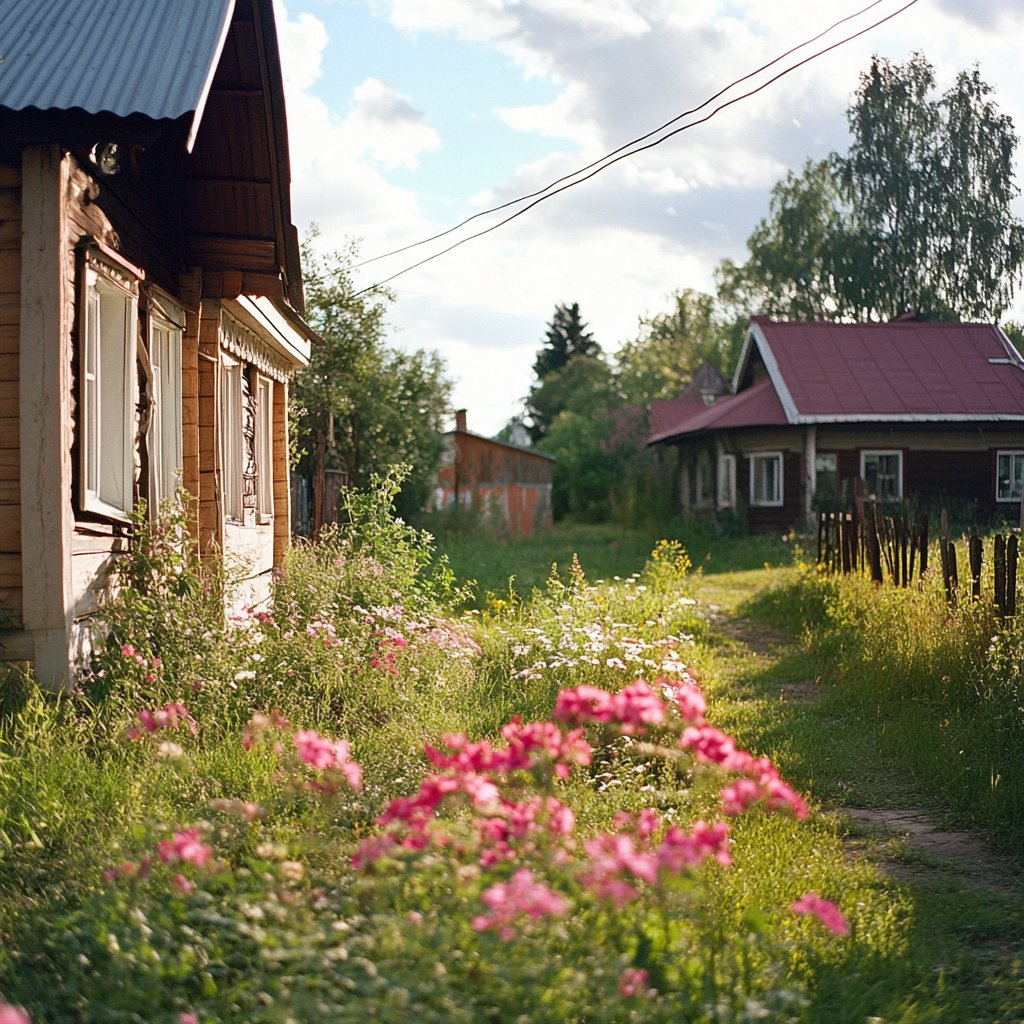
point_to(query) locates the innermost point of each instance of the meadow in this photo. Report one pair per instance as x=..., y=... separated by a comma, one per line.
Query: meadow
x=390, y=795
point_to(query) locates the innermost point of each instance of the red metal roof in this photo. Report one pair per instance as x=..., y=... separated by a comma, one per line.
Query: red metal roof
x=756, y=406
x=904, y=371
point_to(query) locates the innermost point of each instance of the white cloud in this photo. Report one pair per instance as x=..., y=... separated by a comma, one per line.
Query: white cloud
x=384, y=125
x=620, y=243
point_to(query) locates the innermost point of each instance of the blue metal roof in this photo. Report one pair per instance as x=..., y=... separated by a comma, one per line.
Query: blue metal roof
x=149, y=57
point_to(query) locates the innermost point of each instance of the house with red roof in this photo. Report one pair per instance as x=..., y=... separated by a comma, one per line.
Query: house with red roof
x=914, y=411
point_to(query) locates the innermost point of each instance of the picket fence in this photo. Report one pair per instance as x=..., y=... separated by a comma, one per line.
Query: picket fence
x=894, y=549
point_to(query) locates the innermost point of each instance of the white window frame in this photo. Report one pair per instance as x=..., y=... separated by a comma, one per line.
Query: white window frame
x=1015, y=456
x=264, y=448
x=763, y=458
x=108, y=386
x=726, y=490
x=164, y=438
x=231, y=436
x=874, y=453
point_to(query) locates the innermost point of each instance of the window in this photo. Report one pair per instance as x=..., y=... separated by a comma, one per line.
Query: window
x=1009, y=476
x=107, y=386
x=164, y=437
x=882, y=473
x=826, y=481
x=231, y=435
x=264, y=448
x=726, y=481
x=766, y=478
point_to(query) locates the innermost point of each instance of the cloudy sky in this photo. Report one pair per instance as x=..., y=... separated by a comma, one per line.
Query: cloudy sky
x=408, y=116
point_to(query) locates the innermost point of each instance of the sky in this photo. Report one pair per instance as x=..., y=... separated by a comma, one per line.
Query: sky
x=408, y=116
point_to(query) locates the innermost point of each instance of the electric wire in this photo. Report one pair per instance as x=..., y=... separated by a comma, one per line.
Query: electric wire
x=624, y=146
x=605, y=163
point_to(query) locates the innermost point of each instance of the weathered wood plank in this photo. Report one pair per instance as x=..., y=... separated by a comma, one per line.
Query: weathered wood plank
x=10, y=434
x=10, y=529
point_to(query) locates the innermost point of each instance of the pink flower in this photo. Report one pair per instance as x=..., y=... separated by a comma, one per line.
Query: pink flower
x=680, y=850
x=13, y=1015
x=188, y=1018
x=170, y=716
x=583, y=704
x=520, y=896
x=128, y=651
x=320, y=752
x=637, y=706
x=824, y=910
x=689, y=700
x=182, y=883
x=633, y=982
x=184, y=846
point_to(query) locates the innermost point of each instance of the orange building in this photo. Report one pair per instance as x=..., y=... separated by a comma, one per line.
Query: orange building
x=509, y=485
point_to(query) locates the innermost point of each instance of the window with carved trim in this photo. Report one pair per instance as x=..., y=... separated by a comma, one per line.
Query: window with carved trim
x=107, y=383
x=264, y=447
x=231, y=436
x=165, y=327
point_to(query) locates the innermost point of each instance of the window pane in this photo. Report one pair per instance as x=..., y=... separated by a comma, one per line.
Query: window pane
x=1009, y=476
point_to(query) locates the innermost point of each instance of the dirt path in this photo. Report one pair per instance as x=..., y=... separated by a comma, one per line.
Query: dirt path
x=934, y=852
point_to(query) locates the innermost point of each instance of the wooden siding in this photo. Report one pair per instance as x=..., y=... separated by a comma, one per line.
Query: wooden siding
x=10, y=317
x=498, y=480
x=282, y=475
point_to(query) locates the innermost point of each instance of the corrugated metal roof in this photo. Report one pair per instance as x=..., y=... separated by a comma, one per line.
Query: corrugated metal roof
x=900, y=372
x=893, y=371
x=149, y=57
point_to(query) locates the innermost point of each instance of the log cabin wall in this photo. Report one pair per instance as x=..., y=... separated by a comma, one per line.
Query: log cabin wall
x=10, y=319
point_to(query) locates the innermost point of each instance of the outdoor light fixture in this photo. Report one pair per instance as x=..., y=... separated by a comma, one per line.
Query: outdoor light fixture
x=108, y=157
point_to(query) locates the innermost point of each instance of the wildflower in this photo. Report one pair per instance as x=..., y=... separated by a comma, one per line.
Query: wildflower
x=13, y=1015
x=246, y=810
x=824, y=910
x=319, y=752
x=633, y=982
x=520, y=896
x=169, y=750
x=181, y=882
x=184, y=846
x=188, y=1018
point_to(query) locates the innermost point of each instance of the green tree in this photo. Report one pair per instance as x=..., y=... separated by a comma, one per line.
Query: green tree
x=916, y=217
x=570, y=360
x=672, y=346
x=362, y=406
x=566, y=336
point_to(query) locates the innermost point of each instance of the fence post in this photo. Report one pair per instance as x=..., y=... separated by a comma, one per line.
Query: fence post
x=922, y=526
x=999, y=565
x=873, y=547
x=974, y=555
x=1011, y=574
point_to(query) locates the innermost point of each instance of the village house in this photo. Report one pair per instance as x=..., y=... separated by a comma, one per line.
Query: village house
x=150, y=298
x=916, y=412
x=508, y=485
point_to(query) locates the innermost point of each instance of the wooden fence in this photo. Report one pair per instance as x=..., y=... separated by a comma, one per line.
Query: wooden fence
x=894, y=549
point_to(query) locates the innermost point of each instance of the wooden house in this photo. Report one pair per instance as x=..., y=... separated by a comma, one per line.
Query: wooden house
x=508, y=485
x=924, y=412
x=150, y=297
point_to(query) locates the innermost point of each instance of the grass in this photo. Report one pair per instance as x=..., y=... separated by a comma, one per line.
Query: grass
x=280, y=926
x=801, y=700
x=607, y=552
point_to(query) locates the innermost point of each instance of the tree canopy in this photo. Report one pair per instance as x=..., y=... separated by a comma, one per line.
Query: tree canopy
x=363, y=405
x=915, y=218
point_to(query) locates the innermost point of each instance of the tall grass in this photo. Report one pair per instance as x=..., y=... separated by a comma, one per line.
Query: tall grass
x=364, y=642
x=945, y=679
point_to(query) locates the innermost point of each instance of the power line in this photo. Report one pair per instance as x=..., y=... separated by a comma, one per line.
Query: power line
x=624, y=146
x=613, y=158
